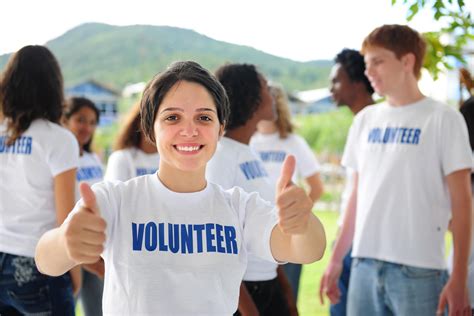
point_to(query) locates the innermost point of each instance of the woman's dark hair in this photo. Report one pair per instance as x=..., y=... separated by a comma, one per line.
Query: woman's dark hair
x=243, y=87
x=74, y=105
x=353, y=63
x=130, y=133
x=159, y=86
x=31, y=87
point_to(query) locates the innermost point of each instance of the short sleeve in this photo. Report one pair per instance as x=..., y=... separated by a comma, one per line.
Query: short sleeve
x=349, y=158
x=64, y=152
x=455, y=148
x=306, y=161
x=118, y=167
x=260, y=219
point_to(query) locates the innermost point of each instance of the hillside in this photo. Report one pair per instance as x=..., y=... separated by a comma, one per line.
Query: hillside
x=117, y=55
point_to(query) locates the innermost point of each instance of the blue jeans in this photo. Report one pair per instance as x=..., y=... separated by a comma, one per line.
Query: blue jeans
x=293, y=272
x=339, y=309
x=91, y=294
x=25, y=291
x=383, y=288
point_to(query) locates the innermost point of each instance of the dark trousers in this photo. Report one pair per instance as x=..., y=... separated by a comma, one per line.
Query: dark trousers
x=268, y=297
x=24, y=290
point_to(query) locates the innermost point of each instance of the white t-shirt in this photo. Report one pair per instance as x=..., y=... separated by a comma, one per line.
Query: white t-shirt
x=402, y=156
x=27, y=171
x=346, y=194
x=273, y=150
x=236, y=165
x=90, y=170
x=169, y=253
x=131, y=162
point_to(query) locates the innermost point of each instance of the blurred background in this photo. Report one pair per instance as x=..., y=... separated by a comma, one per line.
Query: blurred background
x=108, y=50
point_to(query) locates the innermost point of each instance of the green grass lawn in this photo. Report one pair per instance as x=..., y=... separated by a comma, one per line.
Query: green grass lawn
x=308, y=297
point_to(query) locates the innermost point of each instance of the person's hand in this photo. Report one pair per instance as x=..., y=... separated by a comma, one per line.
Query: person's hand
x=455, y=294
x=294, y=205
x=84, y=234
x=96, y=268
x=329, y=283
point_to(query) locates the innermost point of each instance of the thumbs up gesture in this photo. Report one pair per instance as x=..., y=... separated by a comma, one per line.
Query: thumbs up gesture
x=294, y=205
x=84, y=234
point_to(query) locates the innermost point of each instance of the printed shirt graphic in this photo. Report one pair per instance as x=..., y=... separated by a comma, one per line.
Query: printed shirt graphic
x=90, y=170
x=402, y=155
x=236, y=165
x=27, y=171
x=171, y=253
x=132, y=162
x=273, y=151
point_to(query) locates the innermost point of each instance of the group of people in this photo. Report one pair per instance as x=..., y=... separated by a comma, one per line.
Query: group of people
x=206, y=207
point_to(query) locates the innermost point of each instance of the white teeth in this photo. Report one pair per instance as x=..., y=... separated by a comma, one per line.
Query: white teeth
x=187, y=148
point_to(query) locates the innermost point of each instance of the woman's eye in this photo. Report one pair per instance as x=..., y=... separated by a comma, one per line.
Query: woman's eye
x=171, y=118
x=205, y=118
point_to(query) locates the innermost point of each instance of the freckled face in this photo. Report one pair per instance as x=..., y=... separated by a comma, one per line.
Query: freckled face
x=187, y=127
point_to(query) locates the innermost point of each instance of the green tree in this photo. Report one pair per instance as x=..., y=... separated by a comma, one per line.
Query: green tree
x=458, y=26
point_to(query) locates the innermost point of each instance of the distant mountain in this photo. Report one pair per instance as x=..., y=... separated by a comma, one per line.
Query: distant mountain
x=117, y=55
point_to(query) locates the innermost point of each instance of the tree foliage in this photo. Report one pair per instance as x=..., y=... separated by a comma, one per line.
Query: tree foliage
x=458, y=27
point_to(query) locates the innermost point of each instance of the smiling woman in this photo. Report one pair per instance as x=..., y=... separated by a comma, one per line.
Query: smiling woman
x=167, y=236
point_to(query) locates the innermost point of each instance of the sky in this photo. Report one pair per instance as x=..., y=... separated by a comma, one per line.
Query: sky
x=301, y=30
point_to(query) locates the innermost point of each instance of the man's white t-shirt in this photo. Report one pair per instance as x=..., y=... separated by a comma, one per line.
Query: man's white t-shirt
x=131, y=162
x=27, y=171
x=236, y=165
x=169, y=253
x=273, y=150
x=402, y=156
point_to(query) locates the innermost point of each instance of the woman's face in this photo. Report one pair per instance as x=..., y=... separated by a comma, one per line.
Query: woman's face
x=187, y=128
x=82, y=124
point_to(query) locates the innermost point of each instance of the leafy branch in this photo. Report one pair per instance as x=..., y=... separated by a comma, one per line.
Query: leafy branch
x=459, y=28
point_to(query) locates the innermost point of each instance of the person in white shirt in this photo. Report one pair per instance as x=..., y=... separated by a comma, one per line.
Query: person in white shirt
x=172, y=242
x=133, y=154
x=349, y=87
x=412, y=162
x=467, y=111
x=266, y=289
x=81, y=117
x=273, y=141
x=38, y=161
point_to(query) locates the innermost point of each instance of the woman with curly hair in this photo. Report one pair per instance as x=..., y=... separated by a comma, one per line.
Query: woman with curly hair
x=274, y=140
x=265, y=288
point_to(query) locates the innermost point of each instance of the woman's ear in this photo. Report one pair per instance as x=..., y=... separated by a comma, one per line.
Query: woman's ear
x=221, y=129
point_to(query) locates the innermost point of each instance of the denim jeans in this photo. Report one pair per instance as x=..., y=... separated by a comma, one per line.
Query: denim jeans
x=340, y=308
x=25, y=291
x=293, y=273
x=383, y=288
x=91, y=294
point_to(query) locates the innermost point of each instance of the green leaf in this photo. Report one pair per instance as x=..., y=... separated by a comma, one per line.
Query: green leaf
x=413, y=11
